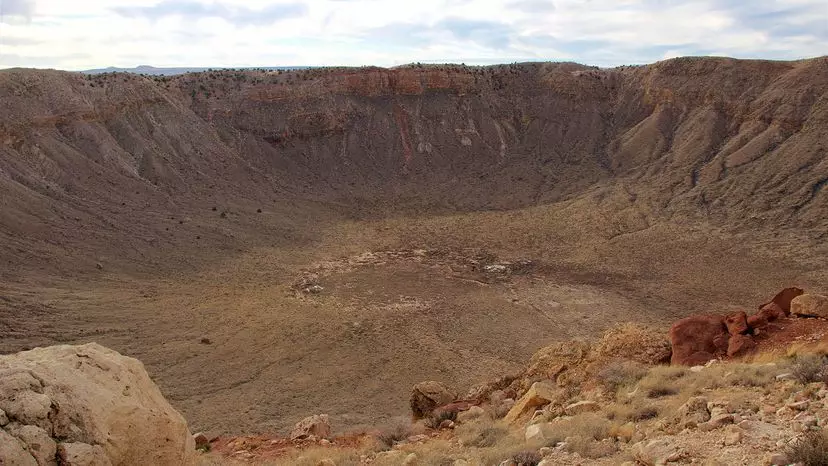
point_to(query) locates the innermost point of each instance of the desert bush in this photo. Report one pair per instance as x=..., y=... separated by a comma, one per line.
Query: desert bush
x=590, y=448
x=526, y=458
x=587, y=425
x=807, y=368
x=662, y=381
x=618, y=373
x=393, y=433
x=636, y=411
x=727, y=375
x=810, y=450
x=435, y=418
x=481, y=434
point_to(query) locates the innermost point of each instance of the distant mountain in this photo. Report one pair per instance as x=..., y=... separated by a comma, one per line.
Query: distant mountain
x=154, y=71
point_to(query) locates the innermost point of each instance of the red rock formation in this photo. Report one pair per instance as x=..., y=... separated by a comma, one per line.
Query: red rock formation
x=737, y=323
x=783, y=299
x=698, y=339
x=739, y=345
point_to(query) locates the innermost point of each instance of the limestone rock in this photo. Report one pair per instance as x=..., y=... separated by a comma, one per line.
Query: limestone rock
x=81, y=454
x=426, y=396
x=91, y=395
x=38, y=442
x=317, y=426
x=539, y=394
x=810, y=305
x=13, y=451
x=693, y=412
x=656, y=452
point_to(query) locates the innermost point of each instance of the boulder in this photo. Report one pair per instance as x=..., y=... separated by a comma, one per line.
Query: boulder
x=425, y=396
x=656, y=452
x=87, y=405
x=736, y=323
x=693, y=412
x=810, y=305
x=783, y=299
x=698, y=339
x=739, y=345
x=635, y=343
x=772, y=312
x=316, y=426
x=81, y=454
x=539, y=394
x=757, y=321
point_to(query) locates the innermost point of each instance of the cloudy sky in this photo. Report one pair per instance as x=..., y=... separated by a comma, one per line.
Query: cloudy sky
x=81, y=34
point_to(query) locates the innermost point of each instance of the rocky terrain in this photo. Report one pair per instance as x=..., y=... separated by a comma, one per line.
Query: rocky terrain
x=277, y=243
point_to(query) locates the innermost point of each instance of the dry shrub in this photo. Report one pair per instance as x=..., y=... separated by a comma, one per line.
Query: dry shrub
x=728, y=375
x=481, y=434
x=526, y=458
x=619, y=373
x=636, y=410
x=590, y=448
x=810, y=450
x=394, y=433
x=663, y=381
x=436, y=417
x=808, y=368
x=586, y=425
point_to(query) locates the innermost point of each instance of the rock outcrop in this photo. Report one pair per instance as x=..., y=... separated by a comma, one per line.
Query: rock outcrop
x=810, y=305
x=317, y=426
x=86, y=405
x=783, y=299
x=698, y=339
x=426, y=396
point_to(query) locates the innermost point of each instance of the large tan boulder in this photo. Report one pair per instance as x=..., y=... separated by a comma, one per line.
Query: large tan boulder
x=810, y=305
x=87, y=405
x=539, y=394
x=426, y=396
x=317, y=426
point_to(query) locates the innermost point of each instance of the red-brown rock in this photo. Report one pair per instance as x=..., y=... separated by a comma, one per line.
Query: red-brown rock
x=739, y=345
x=758, y=320
x=737, y=323
x=698, y=339
x=783, y=299
x=772, y=312
x=451, y=408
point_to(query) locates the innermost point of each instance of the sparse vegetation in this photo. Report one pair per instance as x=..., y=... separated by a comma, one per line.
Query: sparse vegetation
x=810, y=450
x=807, y=368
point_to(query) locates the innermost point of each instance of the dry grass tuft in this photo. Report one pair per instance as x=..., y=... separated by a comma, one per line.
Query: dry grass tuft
x=394, y=433
x=662, y=381
x=617, y=374
x=808, y=368
x=810, y=450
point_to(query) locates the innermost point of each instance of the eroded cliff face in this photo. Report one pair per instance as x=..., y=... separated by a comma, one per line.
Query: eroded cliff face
x=732, y=142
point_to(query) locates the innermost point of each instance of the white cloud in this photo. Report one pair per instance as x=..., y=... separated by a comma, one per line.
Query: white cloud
x=96, y=33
